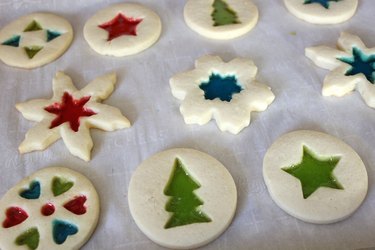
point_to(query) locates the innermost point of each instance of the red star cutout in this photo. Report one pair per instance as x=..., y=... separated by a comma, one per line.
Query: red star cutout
x=69, y=110
x=121, y=25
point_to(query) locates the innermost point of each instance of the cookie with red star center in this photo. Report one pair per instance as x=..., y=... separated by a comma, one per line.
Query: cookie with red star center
x=70, y=114
x=34, y=40
x=54, y=208
x=122, y=29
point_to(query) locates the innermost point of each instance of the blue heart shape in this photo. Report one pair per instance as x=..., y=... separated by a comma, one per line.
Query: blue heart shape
x=33, y=192
x=61, y=230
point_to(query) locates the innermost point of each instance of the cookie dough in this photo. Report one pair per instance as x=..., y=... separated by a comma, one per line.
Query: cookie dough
x=34, y=40
x=182, y=198
x=322, y=11
x=221, y=19
x=352, y=67
x=54, y=208
x=70, y=114
x=315, y=177
x=122, y=29
x=226, y=92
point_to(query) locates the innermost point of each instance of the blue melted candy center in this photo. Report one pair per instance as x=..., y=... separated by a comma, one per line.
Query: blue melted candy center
x=33, y=192
x=222, y=87
x=62, y=229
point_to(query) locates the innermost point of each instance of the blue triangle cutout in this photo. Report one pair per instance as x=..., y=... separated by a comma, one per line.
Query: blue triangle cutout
x=52, y=35
x=13, y=41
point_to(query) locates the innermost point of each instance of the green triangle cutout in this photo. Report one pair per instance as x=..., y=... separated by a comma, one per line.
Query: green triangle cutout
x=33, y=26
x=32, y=51
x=52, y=35
x=13, y=41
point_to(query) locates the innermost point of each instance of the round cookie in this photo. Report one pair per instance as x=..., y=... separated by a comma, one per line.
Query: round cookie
x=122, y=29
x=315, y=177
x=221, y=19
x=182, y=198
x=322, y=11
x=34, y=40
x=54, y=208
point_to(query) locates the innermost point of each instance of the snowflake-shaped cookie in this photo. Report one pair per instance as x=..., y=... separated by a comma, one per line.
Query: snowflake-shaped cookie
x=54, y=208
x=224, y=91
x=70, y=114
x=352, y=67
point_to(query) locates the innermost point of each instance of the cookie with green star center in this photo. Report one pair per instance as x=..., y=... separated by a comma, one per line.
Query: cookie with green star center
x=34, y=40
x=182, y=198
x=322, y=11
x=315, y=177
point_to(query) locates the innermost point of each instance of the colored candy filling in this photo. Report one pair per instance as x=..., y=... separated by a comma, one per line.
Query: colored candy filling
x=69, y=110
x=33, y=192
x=33, y=26
x=14, y=216
x=48, y=209
x=32, y=51
x=30, y=238
x=76, y=206
x=184, y=204
x=220, y=87
x=14, y=41
x=223, y=14
x=360, y=63
x=52, y=35
x=121, y=25
x=60, y=185
x=61, y=230
x=324, y=3
x=314, y=171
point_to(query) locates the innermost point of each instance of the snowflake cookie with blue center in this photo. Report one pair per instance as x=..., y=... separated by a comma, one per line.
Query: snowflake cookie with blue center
x=226, y=92
x=322, y=11
x=54, y=208
x=352, y=67
x=34, y=40
x=70, y=114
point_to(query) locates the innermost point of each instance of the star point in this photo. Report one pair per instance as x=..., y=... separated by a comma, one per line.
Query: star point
x=121, y=25
x=324, y=3
x=314, y=172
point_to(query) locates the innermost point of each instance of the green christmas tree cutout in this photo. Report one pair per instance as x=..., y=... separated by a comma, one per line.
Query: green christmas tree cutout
x=223, y=14
x=184, y=204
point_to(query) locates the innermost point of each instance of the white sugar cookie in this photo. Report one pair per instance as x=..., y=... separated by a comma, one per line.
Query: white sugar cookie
x=322, y=11
x=352, y=67
x=122, y=29
x=197, y=190
x=315, y=177
x=70, y=114
x=34, y=40
x=54, y=208
x=226, y=92
x=221, y=19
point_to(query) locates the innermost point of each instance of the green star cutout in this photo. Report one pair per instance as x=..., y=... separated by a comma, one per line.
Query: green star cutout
x=324, y=3
x=314, y=172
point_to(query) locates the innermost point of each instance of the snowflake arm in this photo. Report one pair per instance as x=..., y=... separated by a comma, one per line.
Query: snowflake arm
x=39, y=137
x=325, y=57
x=78, y=143
x=33, y=110
x=101, y=87
x=62, y=83
x=336, y=83
x=107, y=113
x=347, y=41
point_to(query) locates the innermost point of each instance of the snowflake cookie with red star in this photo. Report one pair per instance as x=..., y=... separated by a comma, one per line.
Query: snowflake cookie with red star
x=352, y=67
x=70, y=114
x=54, y=208
x=122, y=29
x=224, y=91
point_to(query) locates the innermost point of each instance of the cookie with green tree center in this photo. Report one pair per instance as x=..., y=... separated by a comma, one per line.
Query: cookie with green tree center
x=221, y=19
x=34, y=40
x=315, y=177
x=322, y=11
x=182, y=198
x=54, y=208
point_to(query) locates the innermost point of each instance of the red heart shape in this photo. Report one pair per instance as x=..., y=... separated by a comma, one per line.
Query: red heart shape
x=76, y=206
x=15, y=216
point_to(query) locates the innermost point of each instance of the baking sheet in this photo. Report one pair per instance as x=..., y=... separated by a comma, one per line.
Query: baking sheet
x=276, y=45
